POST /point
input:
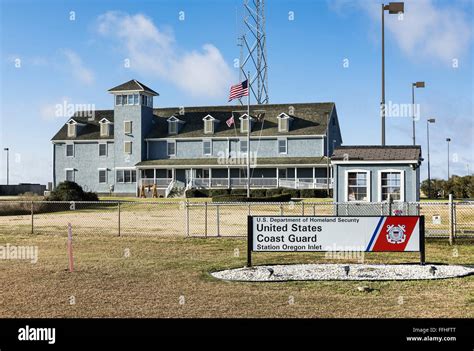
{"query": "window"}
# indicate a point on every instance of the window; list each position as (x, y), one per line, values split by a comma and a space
(104, 129)
(144, 100)
(391, 184)
(126, 176)
(70, 175)
(358, 186)
(102, 149)
(71, 130)
(102, 176)
(130, 99)
(207, 147)
(283, 124)
(127, 147)
(243, 145)
(208, 126)
(244, 125)
(124, 99)
(70, 150)
(150, 101)
(173, 127)
(118, 99)
(127, 127)
(282, 146)
(171, 148)
(135, 99)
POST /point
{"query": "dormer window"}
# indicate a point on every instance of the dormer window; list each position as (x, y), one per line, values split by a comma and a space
(173, 125)
(283, 123)
(244, 123)
(104, 127)
(72, 128)
(209, 124)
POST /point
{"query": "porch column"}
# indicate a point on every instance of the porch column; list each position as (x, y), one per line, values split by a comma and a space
(191, 176)
(154, 175)
(314, 177)
(228, 178)
(210, 176)
(296, 177)
(173, 174)
(277, 177)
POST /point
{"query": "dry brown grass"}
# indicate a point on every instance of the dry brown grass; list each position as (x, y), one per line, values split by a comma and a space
(159, 270)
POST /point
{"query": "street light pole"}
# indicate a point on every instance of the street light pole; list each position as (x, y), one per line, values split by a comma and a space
(413, 86)
(393, 8)
(8, 164)
(428, 121)
(448, 140)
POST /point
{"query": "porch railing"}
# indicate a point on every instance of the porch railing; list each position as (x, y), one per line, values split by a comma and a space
(298, 183)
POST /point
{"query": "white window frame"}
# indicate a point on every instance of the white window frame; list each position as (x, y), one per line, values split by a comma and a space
(106, 175)
(107, 128)
(281, 117)
(73, 174)
(106, 150)
(73, 150)
(175, 124)
(117, 97)
(129, 99)
(136, 99)
(240, 145)
(125, 143)
(402, 184)
(125, 127)
(123, 170)
(346, 185)
(210, 147)
(208, 126)
(168, 142)
(286, 146)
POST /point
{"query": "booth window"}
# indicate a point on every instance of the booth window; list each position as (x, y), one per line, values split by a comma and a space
(391, 185)
(357, 186)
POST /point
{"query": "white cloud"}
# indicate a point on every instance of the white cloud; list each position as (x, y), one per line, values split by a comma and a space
(79, 71)
(427, 31)
(154, 52)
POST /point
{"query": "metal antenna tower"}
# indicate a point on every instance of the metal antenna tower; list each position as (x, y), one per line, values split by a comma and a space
(254, 41)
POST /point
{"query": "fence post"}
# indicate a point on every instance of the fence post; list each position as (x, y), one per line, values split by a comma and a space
(249, 208)
(314, 210)
(32, 218)
(390, 203)
(205, 219)
(118, 210)
(218, 219)
(187, 217)
(451, 219)
(281, 209)
(302, 208)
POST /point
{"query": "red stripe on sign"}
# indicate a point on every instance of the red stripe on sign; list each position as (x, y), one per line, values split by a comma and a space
(395, 233)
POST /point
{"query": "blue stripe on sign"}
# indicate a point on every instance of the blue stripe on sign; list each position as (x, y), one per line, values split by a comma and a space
(374, 235)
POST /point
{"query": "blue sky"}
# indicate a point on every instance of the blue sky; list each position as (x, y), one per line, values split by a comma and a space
(47, 59)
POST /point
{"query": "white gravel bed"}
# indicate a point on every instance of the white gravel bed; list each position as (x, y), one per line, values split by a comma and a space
(343, 272)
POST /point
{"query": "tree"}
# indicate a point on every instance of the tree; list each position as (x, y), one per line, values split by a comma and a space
(70, 191)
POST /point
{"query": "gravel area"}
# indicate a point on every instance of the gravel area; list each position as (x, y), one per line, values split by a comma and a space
(343, 272)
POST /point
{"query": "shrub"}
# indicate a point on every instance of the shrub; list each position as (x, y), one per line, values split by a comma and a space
(239, 192)
(273, 192)
(295, 193)
(258, 193)
(238, 198)
(197, 193)
(70, 191)
(218, 192)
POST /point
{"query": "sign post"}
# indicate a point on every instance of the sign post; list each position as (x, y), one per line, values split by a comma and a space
(336, 233)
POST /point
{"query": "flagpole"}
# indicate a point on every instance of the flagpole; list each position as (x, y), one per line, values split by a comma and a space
(248, 135)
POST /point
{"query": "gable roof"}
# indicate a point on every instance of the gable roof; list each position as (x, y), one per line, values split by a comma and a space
(133, 85)
(308, 119)
(377, 153)
(91, 128)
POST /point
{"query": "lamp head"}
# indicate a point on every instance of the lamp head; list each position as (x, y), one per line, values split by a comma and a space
(419, 84)
(431, 120)
(448, 139)
(395, 7)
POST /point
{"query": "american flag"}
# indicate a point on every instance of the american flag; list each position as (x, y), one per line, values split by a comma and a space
(230, 121)
(239, 90)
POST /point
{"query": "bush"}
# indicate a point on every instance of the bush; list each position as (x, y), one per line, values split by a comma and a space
(238, 198)
(274, 192)
(70, 191)
(239, 192)
(218, 192)
(295, 193)
(258, 193)
(319, 193)
(197, 193)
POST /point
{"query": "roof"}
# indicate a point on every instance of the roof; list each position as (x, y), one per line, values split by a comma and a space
(214, 161)
(377, 153)
(91, 128)
(133, 85)
(308, 119)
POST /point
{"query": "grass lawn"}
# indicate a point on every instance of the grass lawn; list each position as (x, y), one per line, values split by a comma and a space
(161, 272)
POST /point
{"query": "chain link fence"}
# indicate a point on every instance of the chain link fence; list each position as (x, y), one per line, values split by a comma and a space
(209, 219)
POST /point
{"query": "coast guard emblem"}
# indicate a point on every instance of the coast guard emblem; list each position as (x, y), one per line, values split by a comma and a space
(396, 234)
